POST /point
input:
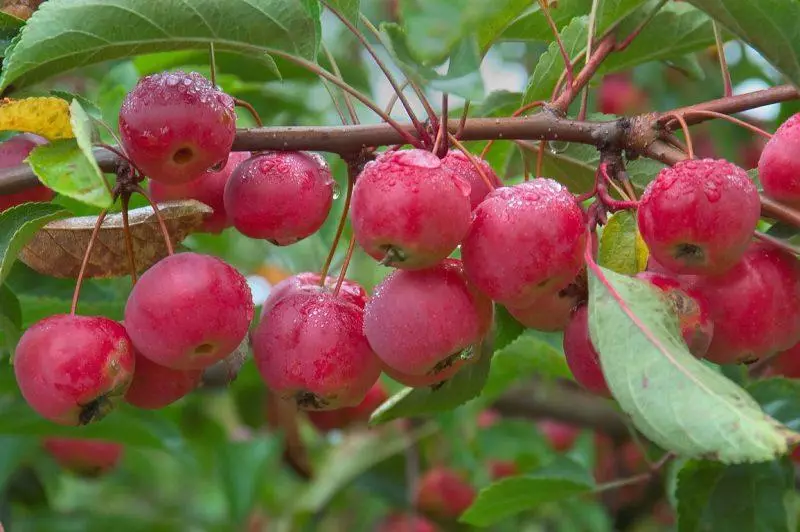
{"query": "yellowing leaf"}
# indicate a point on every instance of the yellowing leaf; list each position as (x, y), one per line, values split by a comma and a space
(621, 246)
(45, 116)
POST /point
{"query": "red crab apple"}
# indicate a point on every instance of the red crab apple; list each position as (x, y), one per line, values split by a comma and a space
(189, 311)
(421, 322)
(525, 241)
(12, 153)
(282, 197)
(408, 210)
(155, 386)
(755, 306)
(350, 291)
(582, 358)
(561, 435)
(310, 348)
(405, 523)
(327, 420)
(209, 188)
(73, 369)
(691, 308)
(698, 216)
(779, 165)
(458, 163)
(83, 456)
(550, 311)
(176, 125)
(499, 469)
(444, 493)
(787, 363)
(618, 95)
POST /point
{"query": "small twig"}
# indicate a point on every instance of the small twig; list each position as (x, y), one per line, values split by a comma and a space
(755, 129)
(636, 479)
(589, 43)
(464, 114)
(250, 109)
(635, 33)
(126, 231)
(604, 49)
(345, 264)
(338, 73)
(351, 177)
(564, 55)
(686, 133)
(723, 63)
(540, 158)
(778, 243)
(85, 262)
(437, 145)
(393, 99)
(779, 211)
(212, 64)
(472, 160)
(162, 225)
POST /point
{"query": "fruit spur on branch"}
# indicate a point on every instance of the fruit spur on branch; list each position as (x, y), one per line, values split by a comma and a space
(690, 273)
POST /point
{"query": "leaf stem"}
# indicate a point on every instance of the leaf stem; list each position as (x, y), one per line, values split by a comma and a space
(338, 73)
(568, 67)
(472, 160)
(159, 218)
(723, 63)
(713, 114)
(85, 261)
(126, 231)
(212, 63)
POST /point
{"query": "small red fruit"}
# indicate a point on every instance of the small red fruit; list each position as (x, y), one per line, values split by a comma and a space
(550, 311)
(189, 311)
(175, 126)
(459, 164)
(421, 322)
(282, 197)
(698, 216)
(619, 96)
(691, 308)
(444, 493)
(155, 386)
(327, 420)
(84, 457)
(755, 306)
(209, 188)
(408, 210)
(582, 359)
(350, 291)
(310, 348)
(779, 165)
(499, 469)
(405, 523)
(72, 369)
(561, 435)
(12, 153)
(525, 241)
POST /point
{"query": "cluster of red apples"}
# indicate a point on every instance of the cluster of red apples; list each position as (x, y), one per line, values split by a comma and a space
(323, 343)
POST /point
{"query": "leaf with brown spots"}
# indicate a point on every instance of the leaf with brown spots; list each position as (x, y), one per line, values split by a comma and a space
(58, 248)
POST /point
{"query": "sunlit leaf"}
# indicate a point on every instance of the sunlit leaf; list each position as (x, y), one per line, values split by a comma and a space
(46, 116)
(621, 246)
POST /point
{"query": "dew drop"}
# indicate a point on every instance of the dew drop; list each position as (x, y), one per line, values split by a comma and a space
(558, 146)
(337, 190)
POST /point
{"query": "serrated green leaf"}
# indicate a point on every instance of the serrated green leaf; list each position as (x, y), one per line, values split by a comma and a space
(89, 107)
(551, 63)
(18, 224)
(348, 8)
(560, 480)
(780, 398)
(359, 452)
(435, 27)
(9, 28)
(769, 26)
(463, 75)
(705, 492)
(64, 166)
(66, 34)
(662, 386)
(621, 246)
(241, 466)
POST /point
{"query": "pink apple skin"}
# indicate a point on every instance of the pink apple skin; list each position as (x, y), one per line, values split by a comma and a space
(155, 386)
(209, 188)
(350, 291)
(582, 358)
(444, 493)
(12, 153)
(73, 370)
(458, 163)
(84, 457)
(779, 165)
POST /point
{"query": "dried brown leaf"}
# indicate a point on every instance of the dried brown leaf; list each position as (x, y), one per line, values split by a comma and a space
(58, 248)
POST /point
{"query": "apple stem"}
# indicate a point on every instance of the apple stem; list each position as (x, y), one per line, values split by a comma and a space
(338, 73)
(723, 63)
(439, 149)
(393, 99)
(472, 161)
(349, 255)
(351, 177)
(778, 243)
(567, 62)
(86, 255)
(212, 63)
(126, 230)
(755, 129)
(161, 224)
(463, 120)
(250, 109)
(684, 126)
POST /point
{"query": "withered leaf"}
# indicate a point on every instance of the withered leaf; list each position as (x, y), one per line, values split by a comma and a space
(58, 248)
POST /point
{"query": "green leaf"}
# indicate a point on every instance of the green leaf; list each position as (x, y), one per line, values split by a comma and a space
(434, 27)
(18, 225)
(66, 34)
(241, 466)
(65, 167)
(13, 451)
(88, 106)
(662, 386)
(769, 26)
(746, 497)
(348, 8)
(359, 452)
(10, 320)
(677, 30)
(463, 76)
(9, 28)
(560, 480)
(551, 64)
(780, 398)
(621, 247)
